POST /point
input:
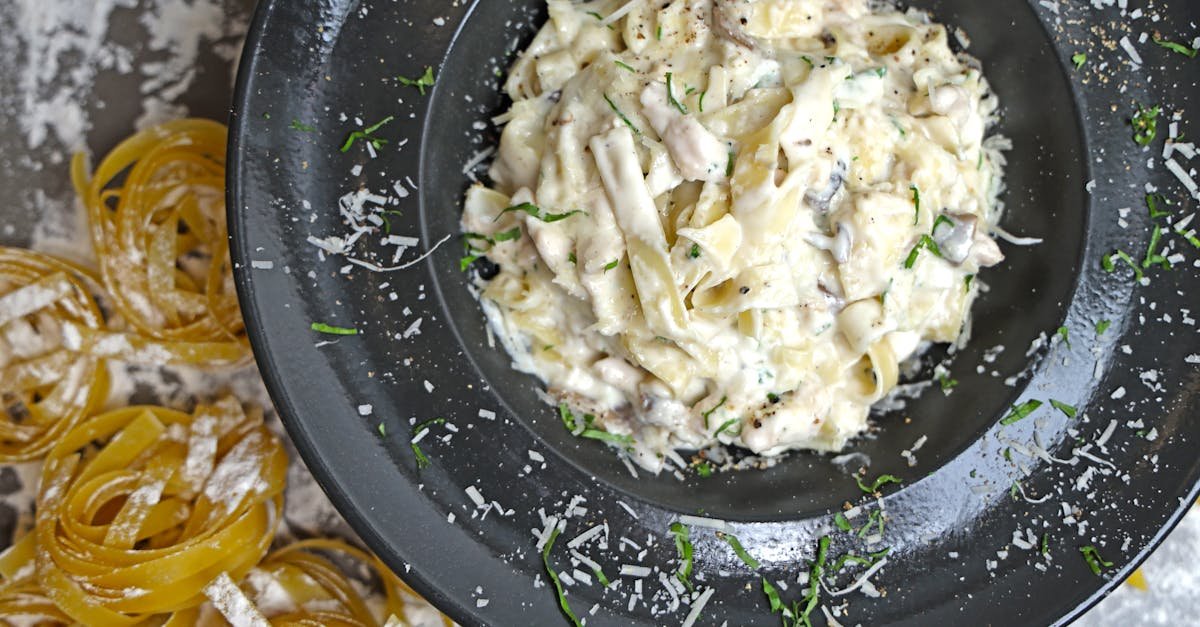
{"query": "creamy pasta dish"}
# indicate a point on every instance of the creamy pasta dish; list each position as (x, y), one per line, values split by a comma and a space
(729, 222)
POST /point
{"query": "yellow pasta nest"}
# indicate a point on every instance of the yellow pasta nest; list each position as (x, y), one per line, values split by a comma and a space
(141, 525)
(156, 205)
(45, 386)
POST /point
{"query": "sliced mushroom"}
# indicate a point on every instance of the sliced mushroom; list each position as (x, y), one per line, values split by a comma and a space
(838, 246)
(959, 239)
(954, 236)
(820, 200)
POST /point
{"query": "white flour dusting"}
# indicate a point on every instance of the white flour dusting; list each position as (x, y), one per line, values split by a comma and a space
(63, 45)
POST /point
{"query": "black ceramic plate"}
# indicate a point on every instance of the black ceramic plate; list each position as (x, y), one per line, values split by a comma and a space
(950, 525)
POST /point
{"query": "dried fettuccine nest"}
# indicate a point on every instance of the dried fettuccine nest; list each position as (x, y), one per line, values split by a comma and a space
(141, 509)
(156, 205)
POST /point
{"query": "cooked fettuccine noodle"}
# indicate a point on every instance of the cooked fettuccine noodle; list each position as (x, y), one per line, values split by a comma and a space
(729, 221)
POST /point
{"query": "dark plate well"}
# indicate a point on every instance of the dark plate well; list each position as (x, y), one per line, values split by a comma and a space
(326, 62)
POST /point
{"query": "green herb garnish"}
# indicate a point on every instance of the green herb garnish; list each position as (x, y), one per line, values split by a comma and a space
(624, 66)
(1176, 48)
(714, 408)
(1190, 236)
(1103, 326)
(422, 460)
(671, 97)
(1152, 202)
(1152, 258)
(814, 581)
(694, 253)
(704, 469)
(612, 105)
(321, 327)
(571, 258)
(301, 126)
(658, 32)
(879, 482)
(1021, 412)
(729, 164)
(1045, 544)
(1079, 59)
(605, 436)
(683, 546)
(777, 604)
(1109, 265)
(382, 429)
(562, 599)
(1068, 410)
(367, 135)
(725, 425)
(925, 242)
(700, 104)
(842, 523)
(1145, 124)
(508, 235)
(738, 549)
(1093, 559)
(916, 199)
(1065, 334)
(772, 397)
(426, 80)
(535, 211)
(612, 264)
(947, 383)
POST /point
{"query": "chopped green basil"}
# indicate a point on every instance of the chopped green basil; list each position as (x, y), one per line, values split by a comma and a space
(925, 242)
(425, 80)
(1103, 326)
(321, 327)
(1176, 48)
(1021, 412)
(422, 460)
(1145, 124)
(879, 482)
(562, 599)
(1093, 559)
(1079, 59)
(612, 105)
(814, 581)
(683, 547)
(536, 212)
(725, 425)
(1152, 203)
(671, 97)
(1153, 258)
(1107, 263)
(1065, 334)
(714, 408)
(1068, 410)
(916, 199)
(739, 550)
(367, 135)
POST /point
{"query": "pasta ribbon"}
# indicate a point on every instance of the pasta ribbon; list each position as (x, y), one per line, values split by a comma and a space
(322, 594)
(45, 386)
(138, 526)
(157, 213)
